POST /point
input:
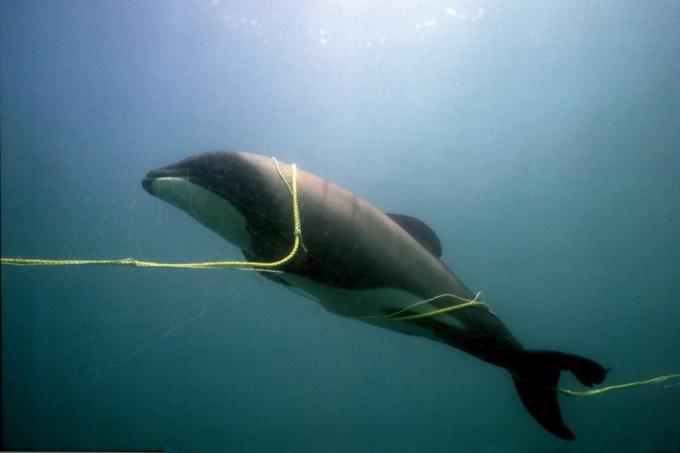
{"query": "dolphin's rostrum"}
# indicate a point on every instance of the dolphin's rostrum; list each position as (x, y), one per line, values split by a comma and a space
(360, 263)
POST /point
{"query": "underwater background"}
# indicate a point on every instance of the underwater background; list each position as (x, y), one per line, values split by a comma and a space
(540, 140)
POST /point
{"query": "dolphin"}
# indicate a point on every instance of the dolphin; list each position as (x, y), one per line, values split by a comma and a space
(361, 263)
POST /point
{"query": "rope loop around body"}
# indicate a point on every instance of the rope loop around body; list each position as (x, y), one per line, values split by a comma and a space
(241, 265)
(462, 303)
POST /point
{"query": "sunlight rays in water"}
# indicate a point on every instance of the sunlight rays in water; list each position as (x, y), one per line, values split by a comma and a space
(348, 25)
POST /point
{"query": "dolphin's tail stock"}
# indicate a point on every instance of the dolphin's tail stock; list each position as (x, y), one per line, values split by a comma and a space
(536, 374)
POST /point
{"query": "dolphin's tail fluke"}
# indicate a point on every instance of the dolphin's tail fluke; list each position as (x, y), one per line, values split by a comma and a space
(536, 374)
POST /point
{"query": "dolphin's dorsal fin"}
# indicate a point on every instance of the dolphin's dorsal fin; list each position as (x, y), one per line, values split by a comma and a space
(420, 231)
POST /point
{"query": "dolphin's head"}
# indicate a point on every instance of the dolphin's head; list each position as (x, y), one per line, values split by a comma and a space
(211, 171)
(214, 188)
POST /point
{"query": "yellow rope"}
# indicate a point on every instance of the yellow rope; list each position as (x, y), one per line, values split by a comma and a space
(465, 303)
(268, 266)
(245, 265)
(609, 388)
(472, 302)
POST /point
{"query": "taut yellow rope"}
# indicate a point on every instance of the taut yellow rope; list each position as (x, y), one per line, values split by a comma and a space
(609, 388)
(244, 265)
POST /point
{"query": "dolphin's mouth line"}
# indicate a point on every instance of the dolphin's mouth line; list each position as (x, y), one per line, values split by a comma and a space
(151, 178)
(168, 172)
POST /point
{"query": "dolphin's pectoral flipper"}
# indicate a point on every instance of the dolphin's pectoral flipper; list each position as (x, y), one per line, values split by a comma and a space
(536, 374)
(268, 275)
